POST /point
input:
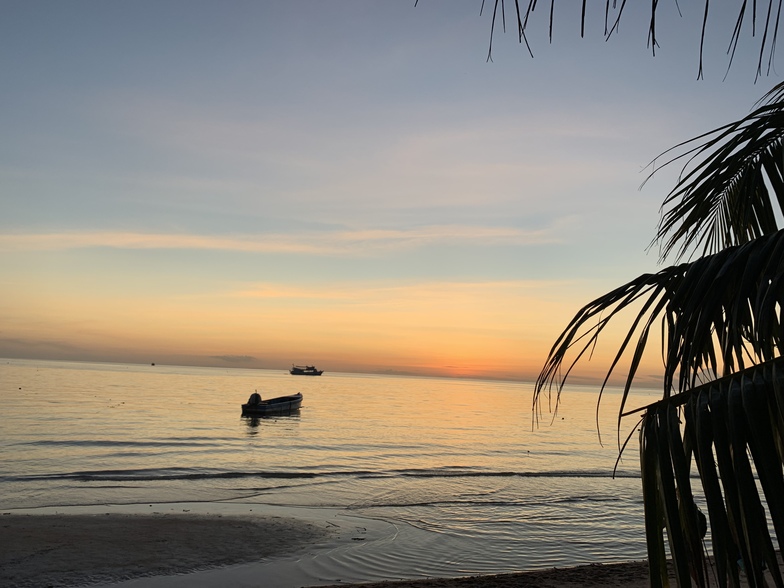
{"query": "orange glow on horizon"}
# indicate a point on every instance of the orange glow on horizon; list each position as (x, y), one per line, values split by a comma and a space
(480, 330)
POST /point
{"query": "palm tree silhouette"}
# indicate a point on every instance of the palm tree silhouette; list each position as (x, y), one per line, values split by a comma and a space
(720, 316)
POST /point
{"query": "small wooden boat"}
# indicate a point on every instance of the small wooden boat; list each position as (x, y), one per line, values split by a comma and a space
(305, 370)
(273, 406)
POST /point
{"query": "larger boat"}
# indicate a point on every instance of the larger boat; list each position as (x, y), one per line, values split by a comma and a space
(274, 406)
(305, 370)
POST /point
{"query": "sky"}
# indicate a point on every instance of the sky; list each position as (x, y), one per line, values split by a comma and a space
(350, 184)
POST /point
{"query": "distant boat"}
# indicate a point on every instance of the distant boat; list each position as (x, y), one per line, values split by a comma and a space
(273, 406)
(305, 370)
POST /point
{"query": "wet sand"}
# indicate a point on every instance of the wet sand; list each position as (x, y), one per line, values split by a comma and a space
(72, 550)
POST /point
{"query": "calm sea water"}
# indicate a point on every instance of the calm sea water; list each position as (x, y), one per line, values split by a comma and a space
(454, 464)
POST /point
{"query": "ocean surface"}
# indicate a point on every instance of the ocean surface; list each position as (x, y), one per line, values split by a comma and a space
(454, 468)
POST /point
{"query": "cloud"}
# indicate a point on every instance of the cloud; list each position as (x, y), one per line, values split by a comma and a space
(235, 358)
(345, 242)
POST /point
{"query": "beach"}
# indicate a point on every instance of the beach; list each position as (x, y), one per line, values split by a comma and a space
(73, 550)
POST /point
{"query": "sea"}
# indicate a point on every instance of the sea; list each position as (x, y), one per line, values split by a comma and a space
(458, 476)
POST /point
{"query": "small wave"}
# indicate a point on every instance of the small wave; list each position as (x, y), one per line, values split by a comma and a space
(142, 475)
(184, 442)
(447, 473)
(156, 475)
(525, 503)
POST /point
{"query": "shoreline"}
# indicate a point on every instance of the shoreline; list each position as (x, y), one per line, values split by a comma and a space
(169, 550)
(633, 574)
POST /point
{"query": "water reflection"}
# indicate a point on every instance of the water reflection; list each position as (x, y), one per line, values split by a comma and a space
(253, 423)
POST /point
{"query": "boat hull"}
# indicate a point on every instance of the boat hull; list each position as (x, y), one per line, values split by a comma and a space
(274, 406)
(305, 370)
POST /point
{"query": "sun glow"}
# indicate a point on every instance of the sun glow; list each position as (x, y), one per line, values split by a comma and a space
(497, 329)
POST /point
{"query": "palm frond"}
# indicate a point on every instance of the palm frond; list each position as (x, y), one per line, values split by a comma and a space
(614, 10)
(732, 183)
(718, 315)
(733, 426)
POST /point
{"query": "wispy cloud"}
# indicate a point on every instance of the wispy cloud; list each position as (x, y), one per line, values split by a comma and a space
(346, 242)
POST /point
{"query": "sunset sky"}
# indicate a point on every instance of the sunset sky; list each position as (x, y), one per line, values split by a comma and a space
(349, 184)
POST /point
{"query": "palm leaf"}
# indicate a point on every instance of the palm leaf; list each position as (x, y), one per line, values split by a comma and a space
(687, 508)
(719, 314)
(652, 504)
(753, 522)
(699, 426)
(614, 10)
(717, 396)
(733, 193)
(734, 439)
(763, 447)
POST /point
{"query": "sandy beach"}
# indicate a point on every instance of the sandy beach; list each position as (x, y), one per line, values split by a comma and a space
(72, 550)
